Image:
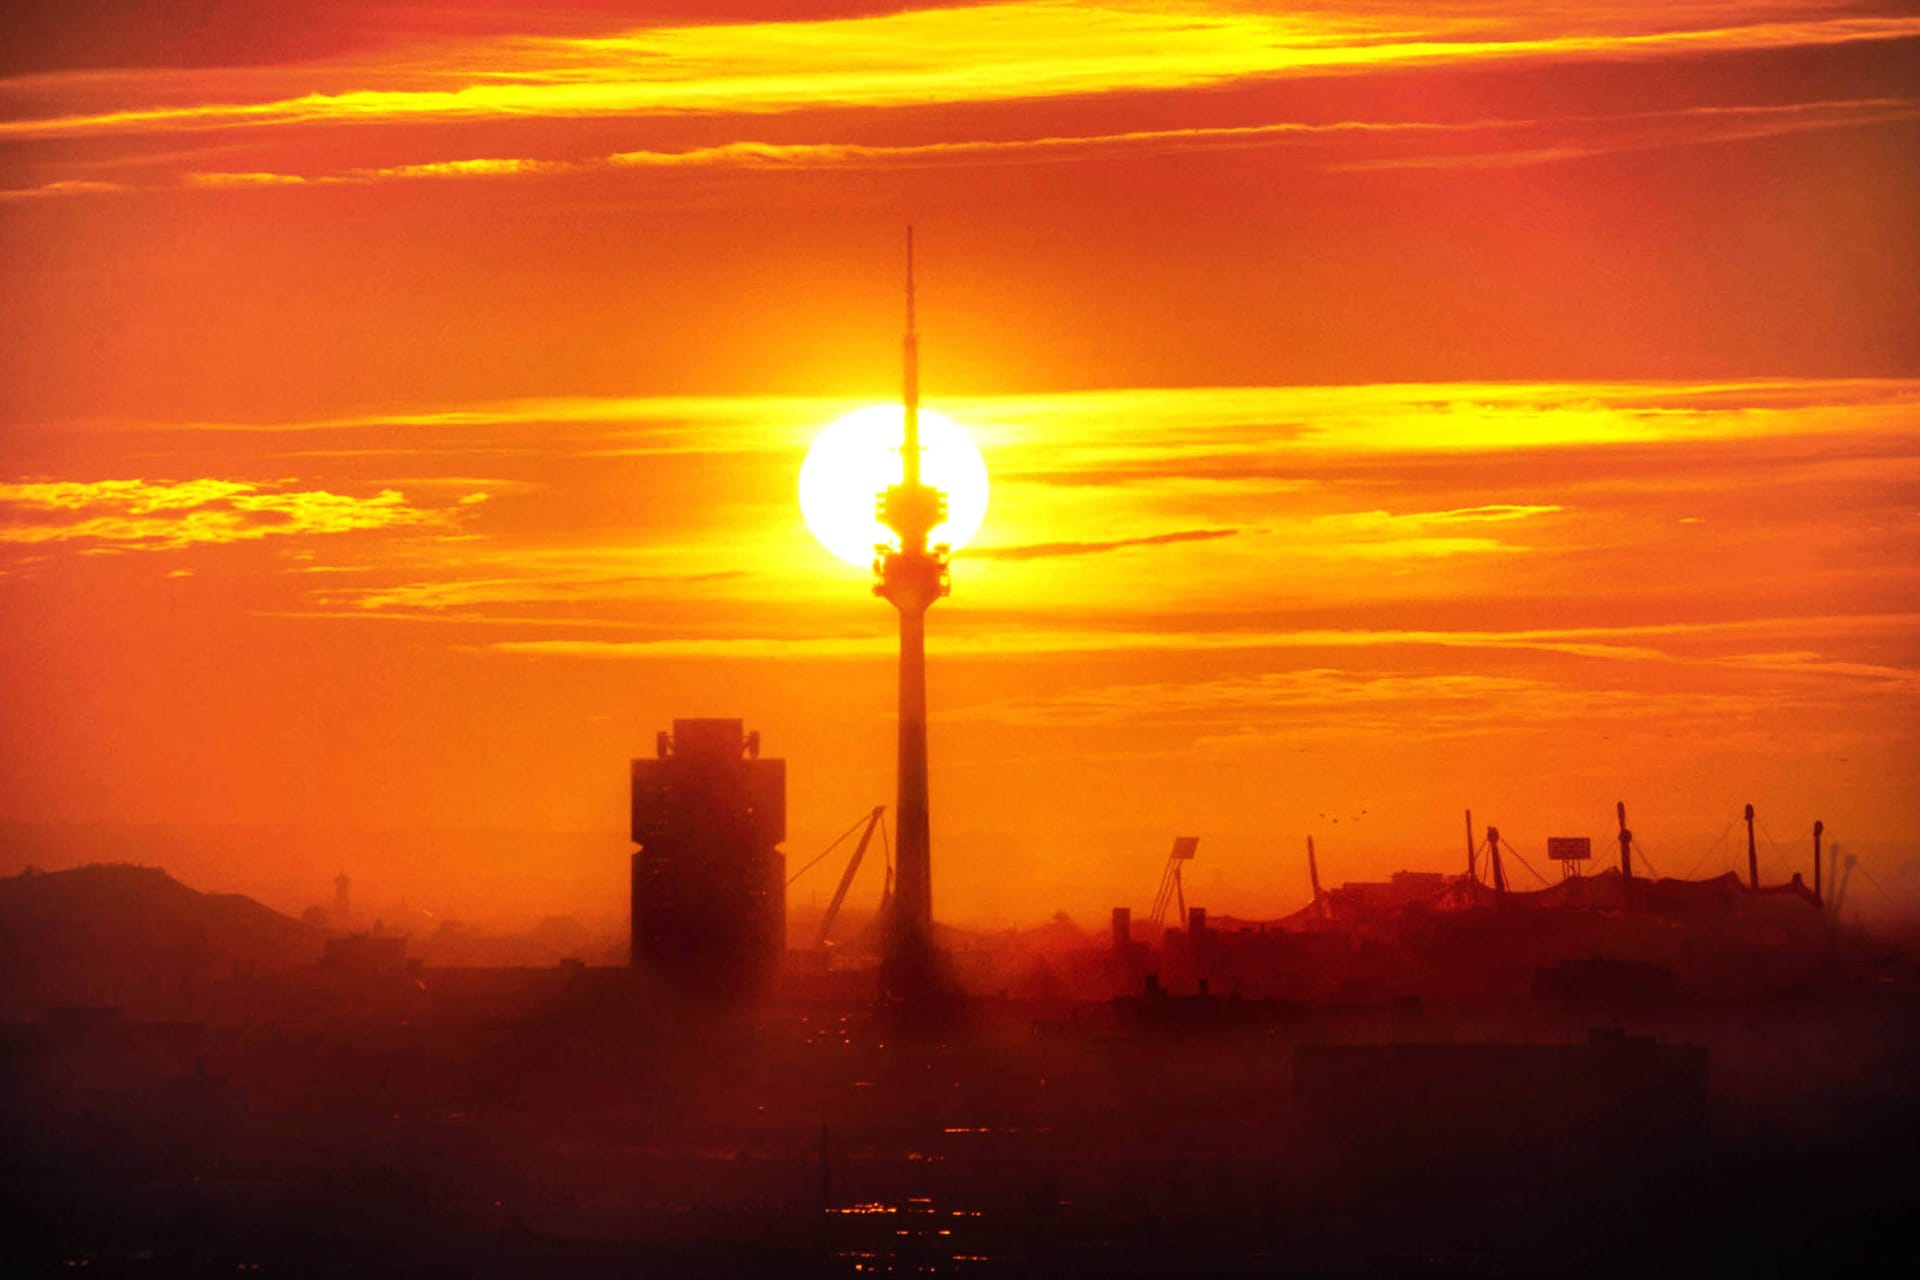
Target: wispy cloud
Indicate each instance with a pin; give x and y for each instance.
(166, 516)
(1617, 644)
(1147, 429)
(1567, 137)
(67, 187)
(1361, 703)
(1497, 511)
(1412, 535)
(981, 53)
(1043, 550)
(1694, 126)
(562, 585)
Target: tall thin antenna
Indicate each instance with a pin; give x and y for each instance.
(910, 351)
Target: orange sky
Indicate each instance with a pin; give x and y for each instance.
(1390, 408)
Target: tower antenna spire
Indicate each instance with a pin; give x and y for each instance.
(910, 395)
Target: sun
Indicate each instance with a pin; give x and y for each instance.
(856, 458)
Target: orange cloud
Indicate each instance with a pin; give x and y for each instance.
(983, 53)
(1598, 134)
(1692, 126)
(1042, 550)
(1610, 643)
(1144, 426)
(162, 516)
(1323, 700)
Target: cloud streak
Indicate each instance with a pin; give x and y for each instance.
(1694, 126)
(1574, 137)
(1189, 428)
(1614, 644)
(168, 516)
(1026, 49)
(1350, 702)
(1046, 550)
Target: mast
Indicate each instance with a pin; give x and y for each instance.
(1818, 829)
(1471, 850)
(910, 389)
(1626, 848)
(1753, 859)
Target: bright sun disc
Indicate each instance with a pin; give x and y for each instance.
(857, 458)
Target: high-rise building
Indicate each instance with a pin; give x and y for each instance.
(709, 881)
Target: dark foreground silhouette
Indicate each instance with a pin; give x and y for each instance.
(364, 1114)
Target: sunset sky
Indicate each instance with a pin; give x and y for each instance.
(1390, 409)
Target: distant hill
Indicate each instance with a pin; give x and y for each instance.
(117, 934)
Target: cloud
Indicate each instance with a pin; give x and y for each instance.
(1613, 644)
(1695, 126)
(1181, 431)
(1223, 432)
(1040, 550)
(1469, 515)
(70, 187)
(166, 516)
(1024, 49)
(1385, 535)
(566, 584)
(1602, 134)
(1349, 702)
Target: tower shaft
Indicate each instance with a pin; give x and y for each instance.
(912, 577)
(913, 887)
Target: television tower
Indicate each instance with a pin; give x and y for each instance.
(912, 576)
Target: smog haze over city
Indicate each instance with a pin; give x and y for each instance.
(538, 608)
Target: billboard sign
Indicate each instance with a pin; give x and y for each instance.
(1569, 848)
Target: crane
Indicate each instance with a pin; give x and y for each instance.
(1170, 887)
(846, 878)
(869, 822)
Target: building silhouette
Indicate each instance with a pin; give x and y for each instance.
(709, 881)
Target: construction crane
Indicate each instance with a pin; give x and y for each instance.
(1495, 844)
(846, 878)
(1171, 890)
(1846, 877)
